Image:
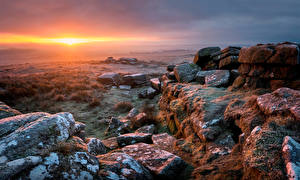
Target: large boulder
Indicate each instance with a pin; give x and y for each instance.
(10, 124)
(291, 155)
(161, 163)
(203, 57)
(6, 111)
(121, 166)
(134, 79)
(44, 132)
(109, 79)
(186, 73)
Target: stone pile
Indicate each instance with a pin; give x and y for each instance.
(269, 66)
(227, 58)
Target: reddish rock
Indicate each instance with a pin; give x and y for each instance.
(291, 155)
(283, 100)
(230, 62)
(164, 141)
(155, 83)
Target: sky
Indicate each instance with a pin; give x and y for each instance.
(142, 23)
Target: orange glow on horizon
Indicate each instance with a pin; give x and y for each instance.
(20, 39)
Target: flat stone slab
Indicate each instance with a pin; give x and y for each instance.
(133, 138)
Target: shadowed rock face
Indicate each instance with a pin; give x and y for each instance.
(186, 72)
(203, 58)
(6, 111)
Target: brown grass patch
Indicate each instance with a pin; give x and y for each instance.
(123, 107)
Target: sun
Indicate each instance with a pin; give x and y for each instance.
(70, 41)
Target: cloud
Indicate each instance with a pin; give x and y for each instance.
(187, 21)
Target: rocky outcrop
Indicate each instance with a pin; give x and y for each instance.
(227, 58)
(269, 66)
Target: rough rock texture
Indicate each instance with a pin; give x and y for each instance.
(291, 155)
(134, 79)
(203, 58)
(117, 126)
(227, 58)
(161, 163)
(269, 66)
(121, 166)
(164, 141)
(78, 165)
(44, 132)
(146, 129)
(133, 138)
(96, 147)
(186, 72)
(109, 78)
(218, 79)
(6, 111)
(9, 125)
(148, 93)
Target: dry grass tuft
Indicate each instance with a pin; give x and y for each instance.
(123, 107)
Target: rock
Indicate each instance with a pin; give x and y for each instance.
(96, 147)
(155, 83)
(146, 129)
(135, 79)
(124, 87)
(12, 168)
(79, 127)
(218, 79)
(133, 138)
(132, 113)
(110, 143)
(78, 165)
(121, 166)
(76, 143)
(44, 132)
(109, 79)
(200, 76)
(171, 75)
(125, 60)
(170, 68)
(291, 155)
(139, 120)
(6, 111)
(186, 73)
(283, 100)
(164, 141)
(110, 60)
(161, 163)
(203, 56)
(148, 93)
(10, 124)
(117, 126)
(230, 62)
(271, 54)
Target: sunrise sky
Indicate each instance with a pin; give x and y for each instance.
(136, 24)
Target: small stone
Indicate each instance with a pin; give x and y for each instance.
(109, 79)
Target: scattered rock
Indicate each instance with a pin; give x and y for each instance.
(133, 138)
(121, 166)
(155, 83)
(185, 73)
(146, 129)
(135, 79)
(125, 60)
(170, 68)
(291, 155)
(110, 143)
(117, 126)
(148, 93)
(132, 113)
(139, 120)
(109, 79)
(162, 163)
